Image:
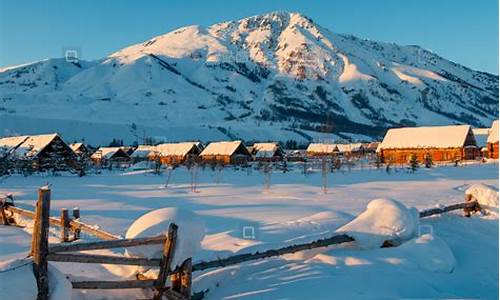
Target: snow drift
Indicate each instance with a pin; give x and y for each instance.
(17, 280)
(383, 220)
(189, 235)
(429, 253)
(486, 196)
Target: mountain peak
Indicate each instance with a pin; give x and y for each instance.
(276, 70)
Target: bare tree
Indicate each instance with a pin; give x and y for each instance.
(194, 177)
(324, 173)
(170, 169)
(267, 170)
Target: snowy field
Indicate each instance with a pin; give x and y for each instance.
(455, 257)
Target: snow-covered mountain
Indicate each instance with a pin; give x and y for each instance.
(273, 76)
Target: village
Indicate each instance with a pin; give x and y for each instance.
(400, 146)
(236, 208)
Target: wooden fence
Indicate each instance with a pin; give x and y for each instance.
(180, 276)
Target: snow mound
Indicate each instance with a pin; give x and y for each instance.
(430, 253)
(17, 279)
(189, 234)
(383, 220)
(486, 196)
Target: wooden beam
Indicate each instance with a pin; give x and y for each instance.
(65, 225)
(104, 259)
(102, 284)
(77, 225)
(173, 295)
(441, 210)
(166, 261)
(76, 216)
(74, 225)
(107, 244)
(40, 242)
(236, 259)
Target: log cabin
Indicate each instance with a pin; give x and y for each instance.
(110, 156)
(175, 153)
(142, 153)
(439, 143)
(40, 152)
(352, 149)
(322, 149)
(371, 147)
(492, 142)
(226, 153)
(267, 151)
(481, 136)
(80, 150)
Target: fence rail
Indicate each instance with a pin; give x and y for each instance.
(160, 239)
(180, 277)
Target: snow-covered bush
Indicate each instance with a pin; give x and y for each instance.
(189, 235)
(383, 220)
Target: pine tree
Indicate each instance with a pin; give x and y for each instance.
(413, 162)
(428, 161)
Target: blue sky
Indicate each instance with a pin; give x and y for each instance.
(462, 31)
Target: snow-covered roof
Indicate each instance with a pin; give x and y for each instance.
(481, 135)
(493, 136)
(350, 147)
(322, 148)
(265, 147)
(221, 148)
(372, 146)
(75, 146)
(106, 152)
(11, 143)
(175, 149)
(143, 151)
(453, 136)
(28, 145)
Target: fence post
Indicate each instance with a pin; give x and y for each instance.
(64, 225)
(166, 260)
(39, 243)
(186, 278)
(76, 216)
(5, 220)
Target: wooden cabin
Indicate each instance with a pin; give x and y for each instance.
(267, 151)
(40, 152)
(142, 153)
(371, 147)
(110, 156)
(440, 143)
(322, 149)
(226, 153)
(176, 153)
(81, 150)
(352, 149)
(492, 141)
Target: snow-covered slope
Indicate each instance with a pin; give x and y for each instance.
(278, 75)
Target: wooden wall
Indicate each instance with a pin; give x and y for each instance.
(437, 154)
(493, 150)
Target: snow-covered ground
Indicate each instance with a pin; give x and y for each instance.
(452, 257)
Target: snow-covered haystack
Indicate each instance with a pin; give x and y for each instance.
(486, 196)
(189, 235)
(383, 220)
(17, 281)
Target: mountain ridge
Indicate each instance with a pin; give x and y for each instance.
(279, 73)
